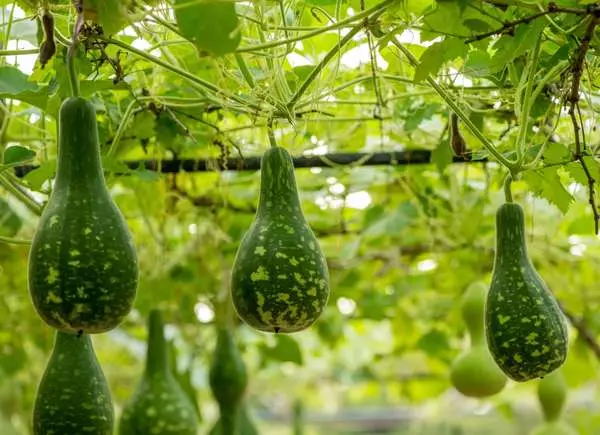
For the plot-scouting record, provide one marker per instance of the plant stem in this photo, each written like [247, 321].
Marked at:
[19, 52]
[454, 106]
[121, 129]
[11, 16]
[317, 70]
[271, 134]
[507, 190]
[244, 70]
[73, 79]
[342, 23]
[29, 202]
[186, 75]
[532, 61]
[12, 241]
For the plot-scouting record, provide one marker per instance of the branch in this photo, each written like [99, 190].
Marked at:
[573, 99]
[252, 163]
[584, 331]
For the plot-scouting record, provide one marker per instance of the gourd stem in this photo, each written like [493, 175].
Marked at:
[73, 79]
[507, 191]
[271, 134]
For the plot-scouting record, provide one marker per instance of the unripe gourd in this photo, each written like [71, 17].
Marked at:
[552, 395]
[526, 331]
[228, 380]
[159, 405]
[474, 373]
[279, 281]
[73, 396]
[83, 269]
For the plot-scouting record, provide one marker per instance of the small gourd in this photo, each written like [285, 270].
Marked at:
[280, 281]
[474, 373]
[245, 424]
[552, 395]
[83, 269]
[228, 380]
[159, 404]
[73, 396]
[526, 331]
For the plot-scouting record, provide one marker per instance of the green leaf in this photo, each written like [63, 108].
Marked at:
[36, 178]
[17, 154]
[510, 47]
[442, 155]
[286, 349]
[10, 222]
[437, 54]
[110, 14]
[546, 183]
[394, 222]
[212, 25]
[15, 84]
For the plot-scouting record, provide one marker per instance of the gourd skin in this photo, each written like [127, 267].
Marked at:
[474, 373]
[244, 425]
[554, 428]
[73, 397]
[83, 269]
[280, 281]
[552, 394]
[159, 405]
[526, 332]
[228, 380]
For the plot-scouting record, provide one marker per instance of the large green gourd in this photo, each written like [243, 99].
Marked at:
[474, 373]
[73, 397]
[159, 405]
[526, 332]
[228, 380]
[83, 268]
[280, 281]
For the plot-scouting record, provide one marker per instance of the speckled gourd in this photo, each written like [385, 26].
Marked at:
[159, 404]
[280, 281]
[73, 397]
[228, 380]
[83, 269]
[526, 331]
[474, 373]
[552, 395]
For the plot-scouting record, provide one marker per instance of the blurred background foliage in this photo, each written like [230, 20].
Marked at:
[402, 242]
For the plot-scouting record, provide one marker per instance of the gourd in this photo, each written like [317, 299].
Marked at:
[552, 395]
[474, 373]
[73, 396]
[279, 281]
[228, 380]
[526, 331]
[159, 404]
[244, 426]
[83, 269]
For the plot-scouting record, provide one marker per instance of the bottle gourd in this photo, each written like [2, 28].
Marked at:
[73, 397]
[228, 380]
[280, 281]
[83, 268]
[474, 373]
[159, 405]
[526, 331]
[552, 395]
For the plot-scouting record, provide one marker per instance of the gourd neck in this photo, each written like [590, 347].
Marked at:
[79, 162]
[157, 356]
[278, 190]
[511, 246]
[472, 310]
[72, 343]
